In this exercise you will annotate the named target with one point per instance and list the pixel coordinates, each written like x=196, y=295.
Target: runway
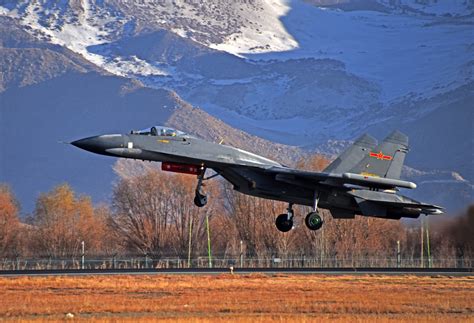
x=244, y=271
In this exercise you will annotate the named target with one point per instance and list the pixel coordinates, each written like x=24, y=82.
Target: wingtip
x=434, y=210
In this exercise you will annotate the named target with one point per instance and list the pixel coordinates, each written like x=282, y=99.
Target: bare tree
x=154, y=212
x=254, y=221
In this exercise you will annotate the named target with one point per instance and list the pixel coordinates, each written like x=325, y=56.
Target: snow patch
x=269, y=36
x=75, y=34
x=458, y=177
x=133, y=66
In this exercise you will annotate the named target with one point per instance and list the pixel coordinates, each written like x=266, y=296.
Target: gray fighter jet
x=363, y=180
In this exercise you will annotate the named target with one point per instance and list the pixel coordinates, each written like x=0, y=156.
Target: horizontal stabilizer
x=426, y=207
x=387, y=200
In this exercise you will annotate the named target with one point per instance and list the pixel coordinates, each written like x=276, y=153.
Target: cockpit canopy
x=159, y=131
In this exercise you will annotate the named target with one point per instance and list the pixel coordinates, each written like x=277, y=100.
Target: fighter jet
x=363, y=180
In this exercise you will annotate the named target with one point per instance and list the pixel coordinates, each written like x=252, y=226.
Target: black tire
x=313, y=221
x=200, y=200
x=283, y=224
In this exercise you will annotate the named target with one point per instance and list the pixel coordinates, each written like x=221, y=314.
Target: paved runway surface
x=211, y=271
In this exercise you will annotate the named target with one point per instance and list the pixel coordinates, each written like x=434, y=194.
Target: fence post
x=208, y=241
x=190, y=240
x=399, y=260
x=241, y=254
x=428, y=244
x=422, y=265
x=82, y=254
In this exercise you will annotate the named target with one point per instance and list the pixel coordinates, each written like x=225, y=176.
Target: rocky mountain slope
x=25, y=60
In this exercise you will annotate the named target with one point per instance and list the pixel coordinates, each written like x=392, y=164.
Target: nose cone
x=99, y=144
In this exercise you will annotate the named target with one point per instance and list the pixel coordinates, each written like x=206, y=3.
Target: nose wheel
x=200, y=199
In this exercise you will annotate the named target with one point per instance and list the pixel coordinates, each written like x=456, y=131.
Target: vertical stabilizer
x=352, y=155
x=385, y=160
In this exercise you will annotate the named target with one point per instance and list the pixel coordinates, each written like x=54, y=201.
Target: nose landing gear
x=200, y=199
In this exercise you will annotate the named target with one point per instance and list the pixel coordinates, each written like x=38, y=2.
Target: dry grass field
x=243, y=298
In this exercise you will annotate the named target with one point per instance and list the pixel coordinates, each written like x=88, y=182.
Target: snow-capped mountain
x=297, y=72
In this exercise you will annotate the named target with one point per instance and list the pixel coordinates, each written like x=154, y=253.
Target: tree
x=460, y=231
x=153, y=211
x=254, y=222
x=62, y=221
x=355, y=241
x=9, y=223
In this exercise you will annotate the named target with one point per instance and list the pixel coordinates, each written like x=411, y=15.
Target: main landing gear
x=284, y=222
x=313, y=220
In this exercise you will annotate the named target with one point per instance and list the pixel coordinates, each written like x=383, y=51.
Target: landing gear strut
x=284, y=222
x=313, y=220
x=200, y=199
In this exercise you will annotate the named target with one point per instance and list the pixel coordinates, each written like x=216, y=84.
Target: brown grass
x=260, y=298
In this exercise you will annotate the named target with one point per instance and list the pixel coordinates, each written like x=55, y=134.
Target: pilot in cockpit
x=159, y=131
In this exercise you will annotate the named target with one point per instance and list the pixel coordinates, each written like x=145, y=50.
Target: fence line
x=138, y=261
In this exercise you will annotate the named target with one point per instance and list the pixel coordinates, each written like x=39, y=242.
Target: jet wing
x=286, y=174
